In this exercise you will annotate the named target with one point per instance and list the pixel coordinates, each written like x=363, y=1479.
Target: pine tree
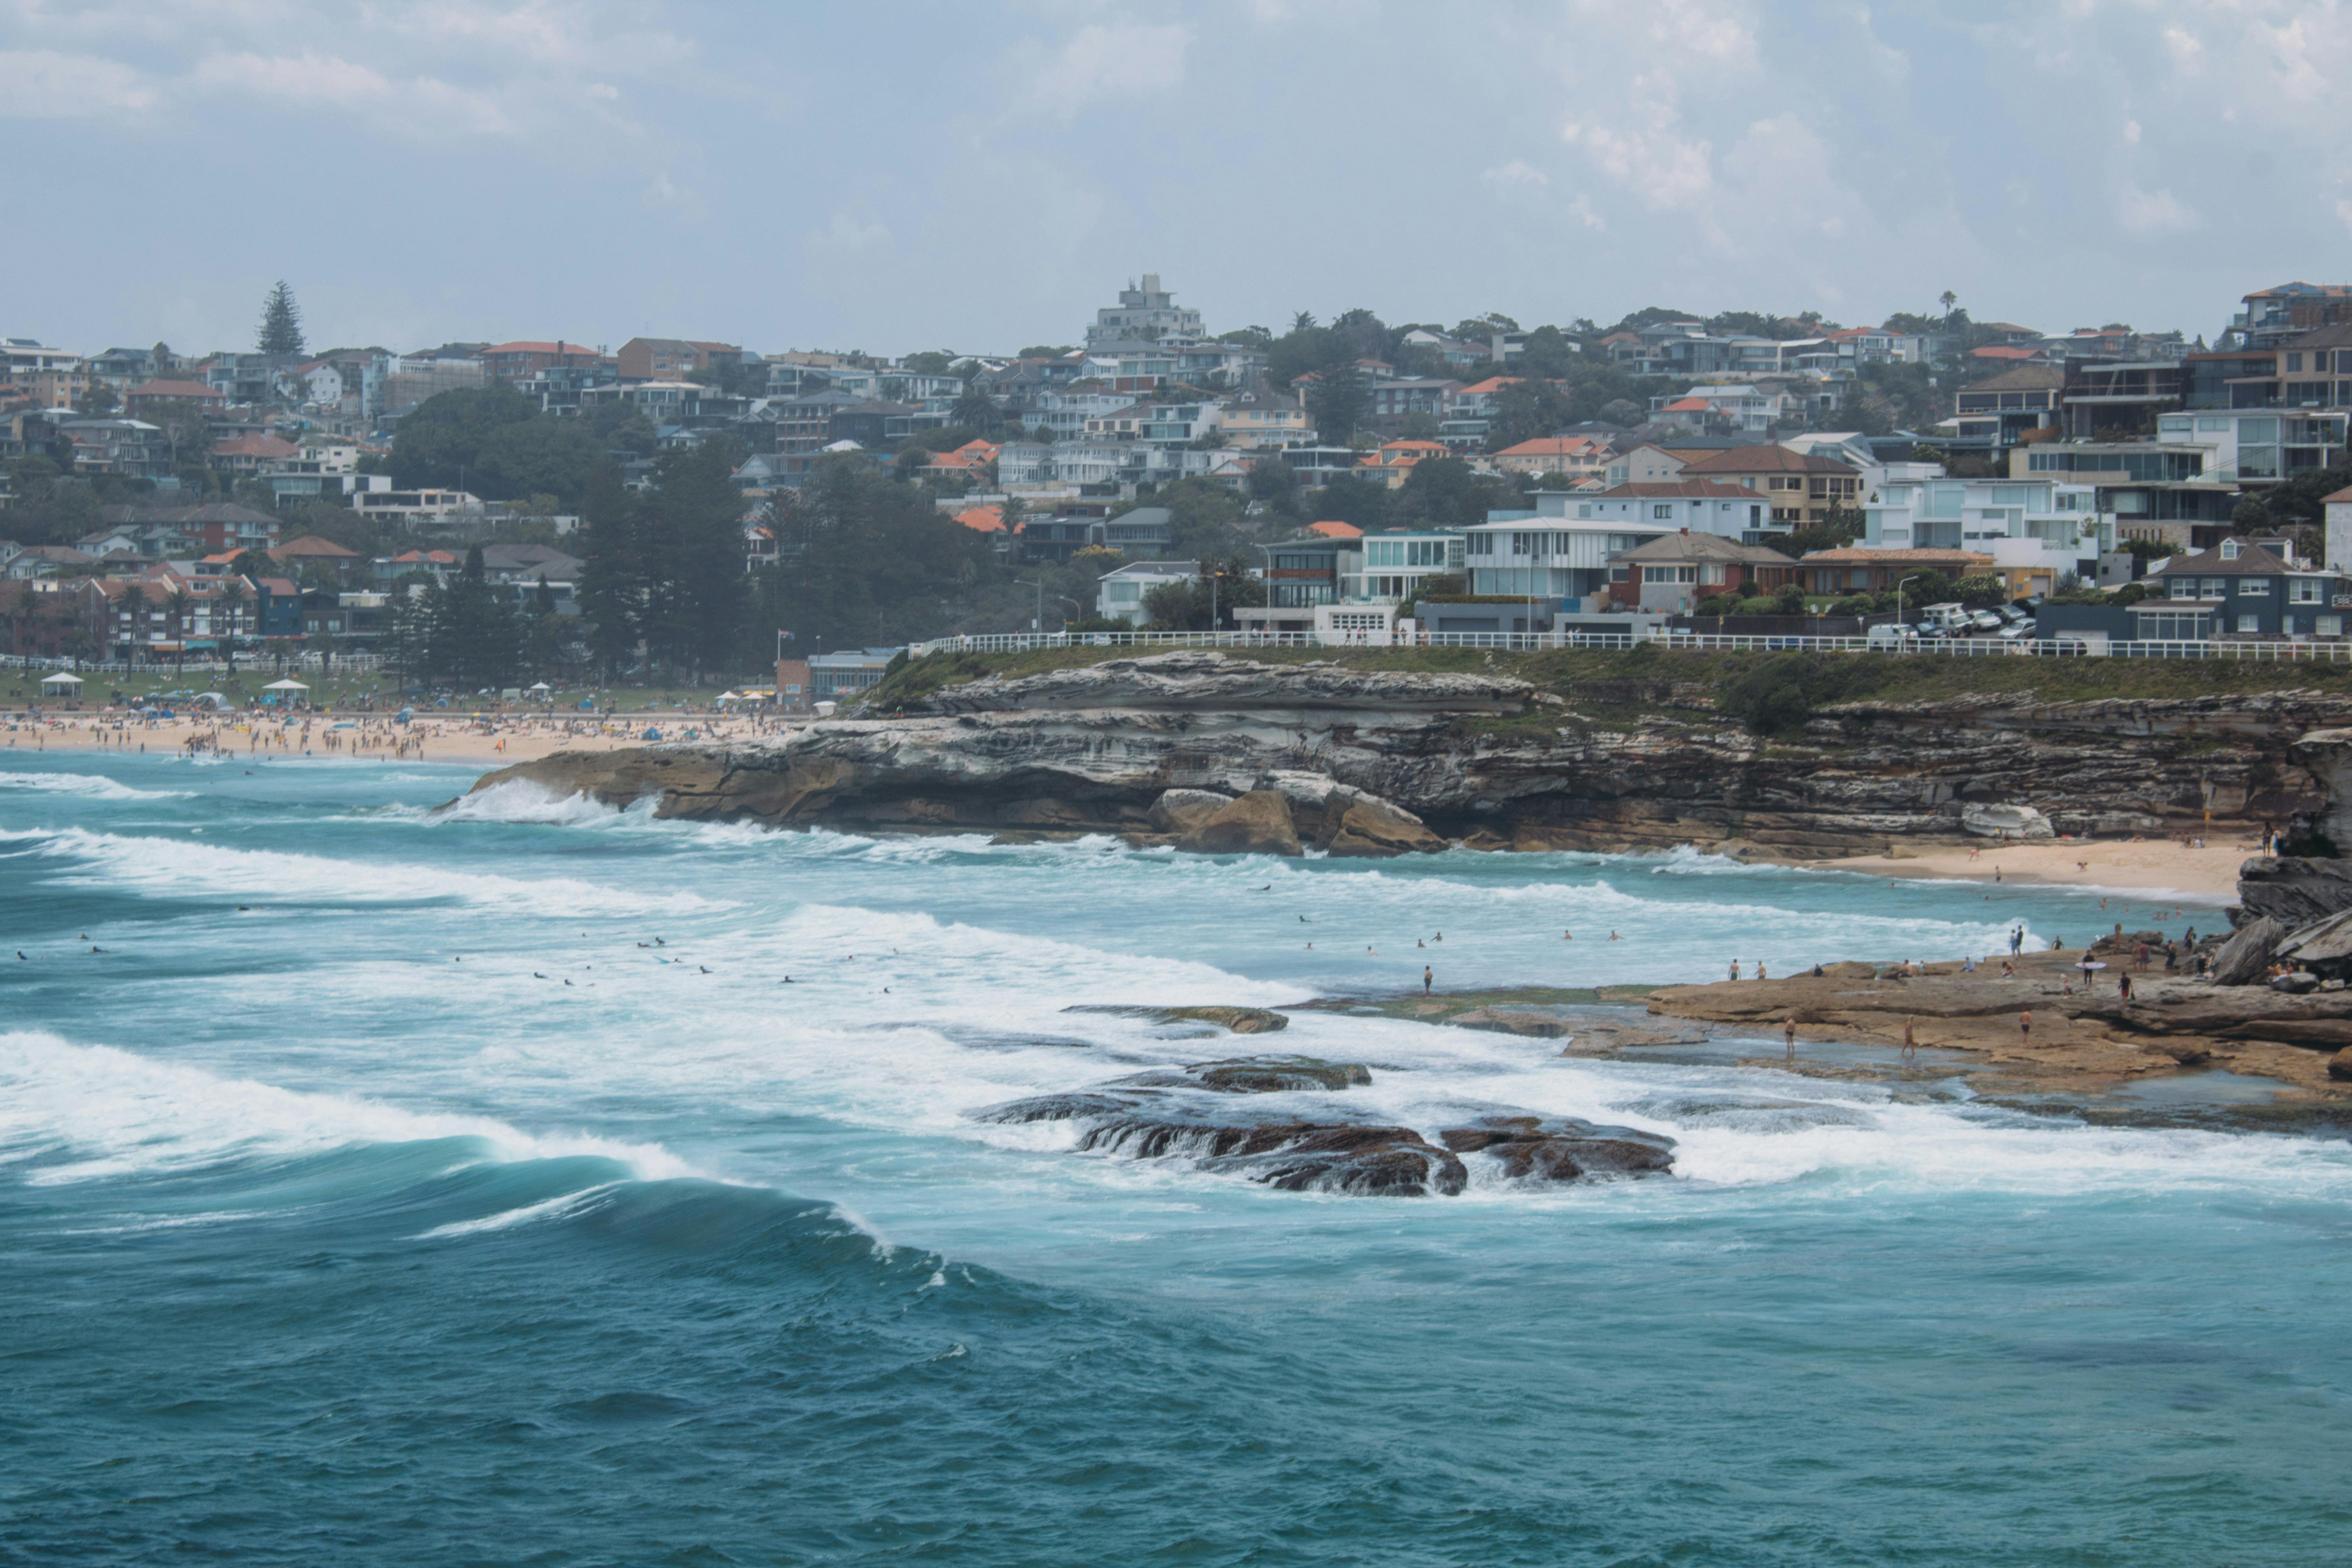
x=281, y=322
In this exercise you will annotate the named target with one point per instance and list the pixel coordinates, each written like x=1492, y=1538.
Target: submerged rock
x=1257, y=1075
x=1562, y=1148
x=1357, y=1158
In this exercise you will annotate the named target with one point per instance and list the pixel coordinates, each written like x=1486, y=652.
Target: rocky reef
x=1224, y=754
x=1196, y=1112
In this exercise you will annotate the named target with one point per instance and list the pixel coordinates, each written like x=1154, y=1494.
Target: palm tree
x=134, y=605
x=178, y=600
x=233, y=595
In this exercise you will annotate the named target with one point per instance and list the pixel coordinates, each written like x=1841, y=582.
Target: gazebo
x=286, y=693
x=61, y=684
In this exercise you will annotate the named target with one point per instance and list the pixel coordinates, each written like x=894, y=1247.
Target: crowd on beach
x=364, y=733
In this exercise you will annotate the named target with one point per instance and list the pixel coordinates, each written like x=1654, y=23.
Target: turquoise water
x=334, y=1227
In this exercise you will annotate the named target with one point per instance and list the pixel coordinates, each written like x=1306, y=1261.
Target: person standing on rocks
x=1428, y=977
x=2025, y=1026
x=1788, y=1037
x=1911, y=1039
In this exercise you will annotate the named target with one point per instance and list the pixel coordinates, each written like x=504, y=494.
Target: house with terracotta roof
x=252, y=454
x=1802, y=488
x=153, y=396
x=321, y=555
x=967, y=462
x=523, y=359
x=1334, y=528
x=1577, y=457
x=1392, y=463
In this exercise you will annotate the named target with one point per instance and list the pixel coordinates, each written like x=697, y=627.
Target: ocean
x=535, y=1183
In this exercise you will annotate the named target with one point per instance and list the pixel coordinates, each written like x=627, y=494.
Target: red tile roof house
x=521, y=360
x=149, y=397
x=1573, y=455
x=252, y=454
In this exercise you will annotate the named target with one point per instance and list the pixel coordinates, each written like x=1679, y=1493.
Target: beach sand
x=493, y=744
x=2208, y=875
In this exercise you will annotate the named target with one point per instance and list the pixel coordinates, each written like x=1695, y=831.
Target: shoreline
x=2134, y=865
x=2207, y=875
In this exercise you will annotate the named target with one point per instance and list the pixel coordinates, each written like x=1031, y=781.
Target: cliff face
x=1495, y=760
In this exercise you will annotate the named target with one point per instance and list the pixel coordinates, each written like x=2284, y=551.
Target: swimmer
x=1614, y=937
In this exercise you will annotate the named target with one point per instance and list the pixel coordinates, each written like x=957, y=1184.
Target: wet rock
x=2243, y=957
x=1561, y=1148
x=2295, y=981
x=1178, y=811
x=1511, y=1021
x=1256, y=1075
x=1237, y=1020
x=1257, y=823
x=1357, y=1158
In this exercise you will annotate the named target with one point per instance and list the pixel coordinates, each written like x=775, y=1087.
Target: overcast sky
x=981, y=175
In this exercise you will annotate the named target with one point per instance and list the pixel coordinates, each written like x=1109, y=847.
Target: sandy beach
x=488, y=743
x=2209, y=874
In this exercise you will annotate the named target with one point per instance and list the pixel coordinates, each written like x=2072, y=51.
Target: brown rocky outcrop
x=1257, y=823
x=1364, y=757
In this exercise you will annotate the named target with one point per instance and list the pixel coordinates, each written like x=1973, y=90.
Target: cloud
x=2152, y=212
x=846, y=233
x=1645, y=149
x=1515, y=174
x=420, y=105
x=45, y=85
x=1100, y=62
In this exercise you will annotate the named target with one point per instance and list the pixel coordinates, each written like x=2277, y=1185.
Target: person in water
x=1428, y=976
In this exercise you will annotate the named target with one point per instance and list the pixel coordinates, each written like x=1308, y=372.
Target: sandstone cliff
x=1378, y=761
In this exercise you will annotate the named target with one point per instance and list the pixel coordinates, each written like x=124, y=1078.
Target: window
x=2215, y=587
x=2253, y=587
x=2229, y=548
x=1684, y=573
x=1125, y=593
x=2330, y=626
x=2250, y=623
x=1663, y=509
x=2303, y=591
x=2184, y=587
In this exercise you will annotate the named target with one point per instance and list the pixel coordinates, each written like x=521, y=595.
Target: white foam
x=558, y=1207
x=97, y=1111
x=166, y=865
x=90, y=786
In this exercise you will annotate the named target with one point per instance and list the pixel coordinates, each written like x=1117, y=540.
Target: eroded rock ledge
x=1222, y=754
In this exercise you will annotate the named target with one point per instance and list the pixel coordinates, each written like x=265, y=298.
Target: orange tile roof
x=983, y=520
x=1336, y=529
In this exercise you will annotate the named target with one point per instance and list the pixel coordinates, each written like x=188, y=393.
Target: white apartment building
x=2035, y=530
x=1390, y=566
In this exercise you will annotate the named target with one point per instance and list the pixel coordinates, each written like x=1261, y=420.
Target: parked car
x=1891, y=638
x=2013, y=615
x=1985, y=621
x=2018, y=633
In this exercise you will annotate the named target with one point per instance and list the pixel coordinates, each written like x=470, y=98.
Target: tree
x=1205, y=602
x=1947, y=299
x=134, y=605
x=977, y=409
x=2250, y=514
x=233, y=595
x=97, y=400
x=1525, y=410
x=177, y=601
x=281, y=322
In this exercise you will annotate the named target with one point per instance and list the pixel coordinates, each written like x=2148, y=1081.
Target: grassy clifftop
x=1639, y=677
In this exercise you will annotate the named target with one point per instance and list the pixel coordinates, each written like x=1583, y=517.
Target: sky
x=982, y=175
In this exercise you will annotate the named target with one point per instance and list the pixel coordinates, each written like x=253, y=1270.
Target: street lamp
x=1898, y=594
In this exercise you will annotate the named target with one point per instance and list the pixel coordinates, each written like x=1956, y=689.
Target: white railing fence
x=1532, y=642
